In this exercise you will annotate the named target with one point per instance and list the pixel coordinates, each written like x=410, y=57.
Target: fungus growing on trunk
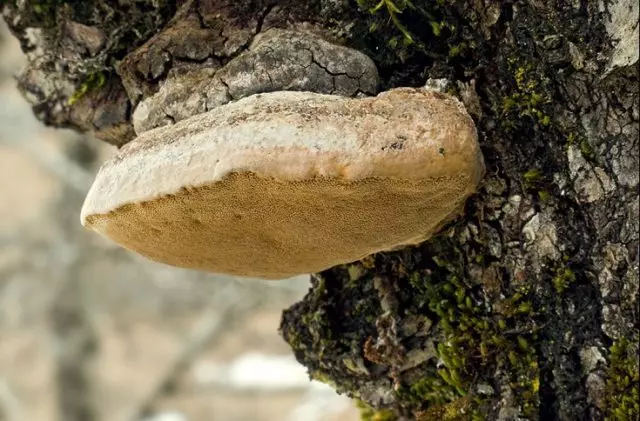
x=276, y=60
x=284, y=183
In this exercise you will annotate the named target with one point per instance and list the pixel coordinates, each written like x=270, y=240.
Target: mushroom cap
x=284, y=183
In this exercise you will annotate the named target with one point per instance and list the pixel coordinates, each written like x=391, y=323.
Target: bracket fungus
x=276, y=60
x=283, y=183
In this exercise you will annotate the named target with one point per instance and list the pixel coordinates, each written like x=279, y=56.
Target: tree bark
x=527, y=306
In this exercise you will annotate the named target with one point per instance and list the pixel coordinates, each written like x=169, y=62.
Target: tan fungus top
x=284, y=183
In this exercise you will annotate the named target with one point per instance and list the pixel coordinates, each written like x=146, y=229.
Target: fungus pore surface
x=284, y=183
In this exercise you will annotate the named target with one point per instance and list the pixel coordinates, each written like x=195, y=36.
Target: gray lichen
x=277, y=60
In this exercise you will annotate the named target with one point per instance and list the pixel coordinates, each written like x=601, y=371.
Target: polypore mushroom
x=277, y=60
x=284, y=183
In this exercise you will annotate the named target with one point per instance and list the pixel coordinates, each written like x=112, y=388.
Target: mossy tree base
x=407, y=332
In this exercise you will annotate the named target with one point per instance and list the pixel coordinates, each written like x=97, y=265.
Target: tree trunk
x=524, y=308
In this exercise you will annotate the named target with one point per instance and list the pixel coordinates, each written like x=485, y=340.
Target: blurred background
x=89, y=331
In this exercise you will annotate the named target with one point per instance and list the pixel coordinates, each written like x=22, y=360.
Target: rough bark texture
x=527, y=307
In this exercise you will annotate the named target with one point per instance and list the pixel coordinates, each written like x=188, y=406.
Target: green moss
x=528, y=99
x=544, y=196
x=355, y=272
x=583, y=144
x=587, y=150
x=473, y=343
x=438, y=26
x=458, y=410
x=623, y=382
x=369, y=414
x=93, y=81
x=322, y=378
x=456, y=50
x=394, y=8
x=396, y=31
x=563, y=278
x=533, y=181
x=410, y=27
x=532, y=178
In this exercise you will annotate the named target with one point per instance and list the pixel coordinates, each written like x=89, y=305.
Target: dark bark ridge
x=527, y=307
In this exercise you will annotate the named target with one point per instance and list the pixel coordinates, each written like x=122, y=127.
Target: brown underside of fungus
x=285, y=183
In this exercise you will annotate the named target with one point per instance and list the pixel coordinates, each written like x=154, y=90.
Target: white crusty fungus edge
x=207, y=147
